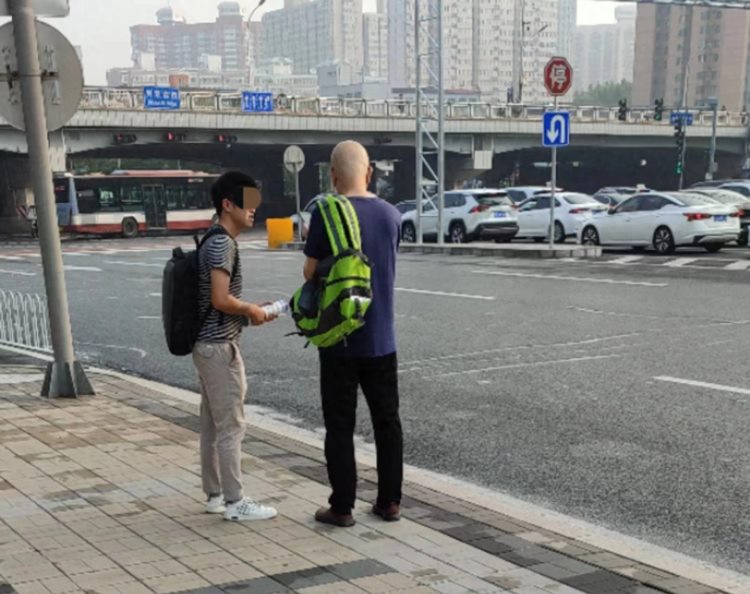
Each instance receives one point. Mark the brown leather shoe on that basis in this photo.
(327, 516)
(392, 513)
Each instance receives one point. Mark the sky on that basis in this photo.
(101, 27)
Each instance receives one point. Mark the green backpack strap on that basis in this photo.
(341, 224)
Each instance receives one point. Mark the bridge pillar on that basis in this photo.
(15, 195)
(404, 181)
(460, 168)
(58, 151)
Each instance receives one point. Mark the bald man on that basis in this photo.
(367, 358)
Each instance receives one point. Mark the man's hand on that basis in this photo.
(256, 314)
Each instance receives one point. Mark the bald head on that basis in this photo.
(350, 167)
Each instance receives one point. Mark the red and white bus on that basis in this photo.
(129, 202)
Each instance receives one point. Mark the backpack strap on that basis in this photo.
(341, 222)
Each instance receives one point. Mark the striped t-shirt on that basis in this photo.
(219, 252)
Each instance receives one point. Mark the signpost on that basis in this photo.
(161, 98)
(681, 116)
(254, 102)
(46, 68)
(294, 161)
(558, 78)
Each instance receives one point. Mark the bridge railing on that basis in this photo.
(228, 102)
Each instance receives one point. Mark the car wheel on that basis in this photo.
(559, 232)
(590, 236)
(129, 228)
(457, 233)
(712, 248)
(663, 241)
(408, 233)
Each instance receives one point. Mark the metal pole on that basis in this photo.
(65, 376)
(712, 158)
(552, 194)
(299, 202)
(419, 139)
(441, 125)
(685, 87)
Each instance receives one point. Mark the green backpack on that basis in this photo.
(330, 307)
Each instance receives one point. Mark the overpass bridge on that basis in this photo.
(112, 122)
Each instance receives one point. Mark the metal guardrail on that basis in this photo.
(24, 321)
(231, 102)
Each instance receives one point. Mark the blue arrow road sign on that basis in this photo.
(161, 98)
(556, 129)
(257, 102)
(680, 116)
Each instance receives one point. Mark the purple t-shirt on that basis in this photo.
(380, 227)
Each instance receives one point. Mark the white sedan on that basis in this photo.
(665, 221)
(571, 211)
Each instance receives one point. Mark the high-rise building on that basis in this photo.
(176, 44)
(375, 44)
(695, 52)
(605, 53)
(567, 18)
(484, 49)
(313, 32)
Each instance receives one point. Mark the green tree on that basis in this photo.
(605, 95)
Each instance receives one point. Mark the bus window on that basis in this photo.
(62, 195)
(174, 197)
(87, 202)
(108, 200)
(132, 197)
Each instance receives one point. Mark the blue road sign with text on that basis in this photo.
(255, 102)
(161, 98)
(556, 129)
(680, 116)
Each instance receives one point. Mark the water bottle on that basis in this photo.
(277, 308)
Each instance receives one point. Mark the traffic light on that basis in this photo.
(679, 136)
(658, 109)
(124, 138)
(226, 138)
(622, 111)
(174, 136)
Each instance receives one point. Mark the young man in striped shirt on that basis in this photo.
(217, 354)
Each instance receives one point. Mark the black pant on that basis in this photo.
(339, 379)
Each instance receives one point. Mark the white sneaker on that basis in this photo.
(248, 510)
(215, 505)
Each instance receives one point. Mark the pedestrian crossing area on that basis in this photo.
(733, 262)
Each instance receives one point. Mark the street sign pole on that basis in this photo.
(299, 200)
(552, 194)
(294, 161)
(65, 376)
(682, 157)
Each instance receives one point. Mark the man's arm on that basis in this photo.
(223, 301)
(311, 265)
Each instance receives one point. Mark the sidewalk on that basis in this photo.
(101, 495)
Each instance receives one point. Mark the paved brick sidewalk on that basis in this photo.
(101, 495)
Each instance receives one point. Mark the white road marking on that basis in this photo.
(154, 294)
(17, 272)
(521, 365)
(12, 258)
(141, 352)
(149, 317)
(739, 265)
(604, 281)
(82, 268)
(122, 263)
(626, 260)
(695, 384)
(680, 262)
(444, 294)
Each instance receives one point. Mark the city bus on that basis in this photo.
(132, 202)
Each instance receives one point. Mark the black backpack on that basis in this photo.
(180, 296)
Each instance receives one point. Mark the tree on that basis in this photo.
(605, 95)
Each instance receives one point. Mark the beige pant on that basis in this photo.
(223, 388)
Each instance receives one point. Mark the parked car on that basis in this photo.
(665, 221)
(741, 187)
(520, 193)
(731, 198)
(571, 210)
(613, 195)
(468, 215)
(712, 183)
(406, 205)
(306, 215)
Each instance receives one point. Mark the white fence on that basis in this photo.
(24, 321)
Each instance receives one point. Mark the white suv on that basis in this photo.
(468, 215)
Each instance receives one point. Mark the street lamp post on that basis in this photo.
(251, 51)
(713, 103)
